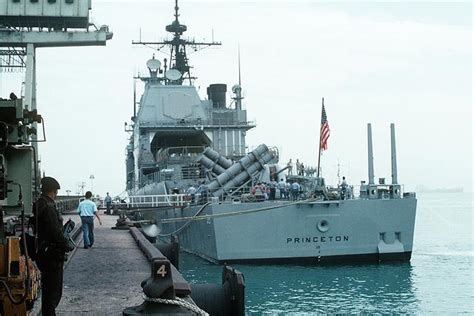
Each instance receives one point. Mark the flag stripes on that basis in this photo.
(324, 132)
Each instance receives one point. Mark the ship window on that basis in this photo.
(16, 0)
(69, 1)
(51, 1)
(33, 1)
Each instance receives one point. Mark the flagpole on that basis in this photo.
(319, 155)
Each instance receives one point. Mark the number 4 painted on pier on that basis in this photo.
(161, 271)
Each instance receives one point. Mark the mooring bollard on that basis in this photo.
(168, 293)
(226, 299)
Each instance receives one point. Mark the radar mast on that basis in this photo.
(177, 46)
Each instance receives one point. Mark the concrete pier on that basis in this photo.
(106, 278)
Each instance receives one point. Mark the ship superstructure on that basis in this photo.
(174, 125)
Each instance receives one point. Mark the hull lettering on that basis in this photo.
(316, 239)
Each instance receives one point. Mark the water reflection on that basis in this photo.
(386, 288)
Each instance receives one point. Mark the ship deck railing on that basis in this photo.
(211, 123)
(158, 200)
(384, 191)
(169, 200)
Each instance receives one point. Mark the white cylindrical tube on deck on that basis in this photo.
(394, 154)
(370, 154)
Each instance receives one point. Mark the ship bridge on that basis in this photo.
(179, 138)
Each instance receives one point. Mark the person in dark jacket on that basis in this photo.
(52, 246)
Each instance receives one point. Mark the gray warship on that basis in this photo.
(189, 172)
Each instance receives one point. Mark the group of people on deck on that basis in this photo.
(288, 190)
(301, 169)
(199, 195)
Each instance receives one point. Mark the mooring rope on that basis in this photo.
(179, 302)
(186, 224)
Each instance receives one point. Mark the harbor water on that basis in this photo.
(438, 280)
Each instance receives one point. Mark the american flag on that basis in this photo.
(325, 132)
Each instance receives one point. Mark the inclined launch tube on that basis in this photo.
(211, 165)
(241, 170)
(214, 161)
(245, 175)
(217, 157)
(236, 168)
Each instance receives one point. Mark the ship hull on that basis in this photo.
(307, 233)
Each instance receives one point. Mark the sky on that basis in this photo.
(408, 63)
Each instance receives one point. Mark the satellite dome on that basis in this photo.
(173, 74)
(153, 64)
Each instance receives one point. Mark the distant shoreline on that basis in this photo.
(440, 190)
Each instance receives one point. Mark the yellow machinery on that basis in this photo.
(19, 278)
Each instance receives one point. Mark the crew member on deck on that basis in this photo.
(343, 188)
(295, 190)
(289, 166)
(298, 167)
(282, 187)
(191, 192)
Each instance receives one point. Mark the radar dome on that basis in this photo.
(153, 64)
(173, 74)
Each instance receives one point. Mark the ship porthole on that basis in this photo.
(323, 226)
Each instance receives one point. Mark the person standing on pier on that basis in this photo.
(108, 203)
(87, 209)
(52, 246)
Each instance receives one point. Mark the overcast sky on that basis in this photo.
(379, 62)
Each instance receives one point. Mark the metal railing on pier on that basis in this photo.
(66, 204)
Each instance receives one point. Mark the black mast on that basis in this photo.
(177, 45)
